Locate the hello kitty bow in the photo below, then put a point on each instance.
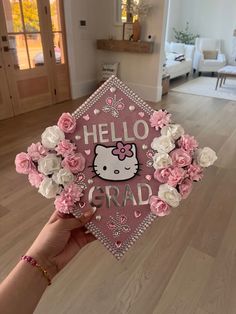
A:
(122, 150)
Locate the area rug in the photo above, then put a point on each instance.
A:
(205, 86)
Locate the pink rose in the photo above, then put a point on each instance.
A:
(188, 143)
(67, 123)
(35, 178)
(185, 188)
(176, 175)
(65, 147)
(36, 151)
(74, 191)
(195, 172)
(180, 158)
(159, 119)
(64, 203)
(158, 207)
(24, 163)
(162, 175)
(75, 163)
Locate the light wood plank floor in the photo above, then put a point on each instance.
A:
(184, 264)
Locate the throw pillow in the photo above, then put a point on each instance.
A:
(210, 54)
(177, 48)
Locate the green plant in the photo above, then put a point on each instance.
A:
(185, 36)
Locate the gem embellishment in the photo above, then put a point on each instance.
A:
(118, 225)
(131, 108)
(96, 111)
(148, 177)
(86, 117)
(90, 181)
(141, 114)
(77, 137)
(113, 106)
(87, 152)
(79, 180)
(98, 217)
(150, 154)
(137, 213)
(144, 147)
(112, 89)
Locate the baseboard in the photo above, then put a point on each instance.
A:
(80, 89)
(147, 92)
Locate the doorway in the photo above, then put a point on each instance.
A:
(33, 57)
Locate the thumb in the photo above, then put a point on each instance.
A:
(74, 223)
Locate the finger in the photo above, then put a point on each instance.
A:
(56, 215)
(90, 237)
(53, 217)
(73, 223)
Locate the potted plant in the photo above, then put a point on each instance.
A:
(185, 36)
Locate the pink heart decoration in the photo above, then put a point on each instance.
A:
(141, 114)
(87, 117)
(80, 178)
(123, 219)
(148, 177)
(87, 152)
(82, 204)
(118, 244)
(137, 213)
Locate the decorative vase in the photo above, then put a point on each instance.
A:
(136, 30)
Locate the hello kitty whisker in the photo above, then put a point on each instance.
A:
(96, 175)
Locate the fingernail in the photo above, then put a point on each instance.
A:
(90, 212)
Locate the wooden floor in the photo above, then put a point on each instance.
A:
(184, 264)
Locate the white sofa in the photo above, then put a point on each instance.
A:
(208, 65)
(176, 68)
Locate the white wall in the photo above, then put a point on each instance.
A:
(209, 18)
(174, 18)
(81, 43)
(140, 71)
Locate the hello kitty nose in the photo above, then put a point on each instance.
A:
(116, 171)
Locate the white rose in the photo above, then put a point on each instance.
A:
(48, 188)
(205, 157)
(163, 144)
(161, 160)
(169, 195)
(63, 176)
(49, 164)
(52, 136)
(175, 131)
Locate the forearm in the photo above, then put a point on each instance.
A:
(21, 291)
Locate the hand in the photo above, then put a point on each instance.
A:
(60, 240)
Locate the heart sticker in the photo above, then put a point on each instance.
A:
(132, 163)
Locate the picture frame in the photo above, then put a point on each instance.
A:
(127, 31)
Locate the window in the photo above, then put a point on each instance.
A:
(57, 31)
(24, 36)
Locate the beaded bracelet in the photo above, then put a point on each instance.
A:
(34, 263)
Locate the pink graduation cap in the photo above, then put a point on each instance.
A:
(119, 155)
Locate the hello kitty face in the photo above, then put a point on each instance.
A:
(116, 163)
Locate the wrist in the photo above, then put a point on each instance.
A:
(44, 262)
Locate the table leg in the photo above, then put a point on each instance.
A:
(224, 80)
(221, 81)
(217, 82)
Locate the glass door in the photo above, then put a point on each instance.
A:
(33, 50)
